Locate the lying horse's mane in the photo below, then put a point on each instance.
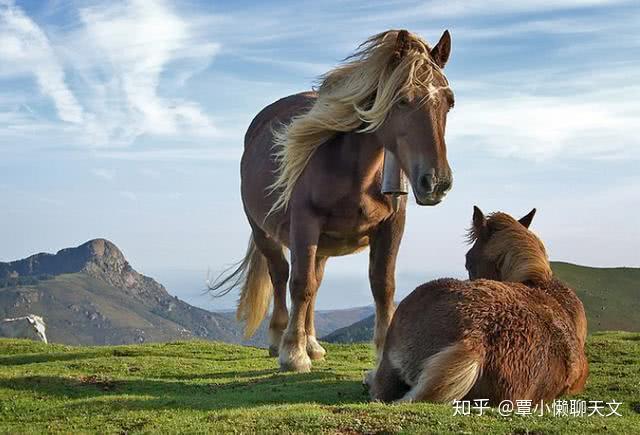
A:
(360, 91)
(518, 252)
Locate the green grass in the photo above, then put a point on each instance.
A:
(206, 386)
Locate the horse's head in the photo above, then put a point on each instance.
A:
(414, 128)
(505, 250)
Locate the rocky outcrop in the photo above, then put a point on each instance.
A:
(98, 252)
(31, 327)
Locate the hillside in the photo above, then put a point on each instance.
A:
(91, 295)
(81, 309)
(202, 386)
(611, 298)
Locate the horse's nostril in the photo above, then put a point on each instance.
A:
(446, 184)
(426, 182)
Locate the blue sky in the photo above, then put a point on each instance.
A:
(125, 120)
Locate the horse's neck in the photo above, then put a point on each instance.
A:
(369, 153)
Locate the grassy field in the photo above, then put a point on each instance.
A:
(206, 386)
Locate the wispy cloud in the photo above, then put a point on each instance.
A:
(413, 10)
(138, 40)
(25, 50)
(549, 113)
(121, 72)
(116, 56)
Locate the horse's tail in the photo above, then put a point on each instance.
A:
(449, 374)
(252, 273)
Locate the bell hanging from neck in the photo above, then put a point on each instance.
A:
(394, 182)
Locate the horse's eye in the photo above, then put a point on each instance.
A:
(403, 103)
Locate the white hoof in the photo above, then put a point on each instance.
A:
(294, 359)
(314, 350)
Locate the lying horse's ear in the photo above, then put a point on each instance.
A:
(526, 220)
(479, 222)
(440, 53)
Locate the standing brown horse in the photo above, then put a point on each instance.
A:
(518, 337)
(311, 182)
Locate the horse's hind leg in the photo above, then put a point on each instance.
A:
(279, 273)
(314, 350)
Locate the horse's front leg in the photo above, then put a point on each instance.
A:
(314, 350)
(384, 246)
(302, 286)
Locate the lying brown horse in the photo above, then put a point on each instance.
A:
(311, 182)
(513, 333)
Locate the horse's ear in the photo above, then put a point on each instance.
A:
(526, 220)
(479, 222)
(440, 53)
(402, 46)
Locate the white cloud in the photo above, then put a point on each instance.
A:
(413, 10)
(131, 61)
(548, 113)
(139, 39)
(117, 55)
(25, 50)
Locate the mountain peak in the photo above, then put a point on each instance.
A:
(100, 248)
(95, 254)
(98, 258)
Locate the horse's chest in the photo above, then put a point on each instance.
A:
(348, 226)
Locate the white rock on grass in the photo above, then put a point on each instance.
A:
(30, 326)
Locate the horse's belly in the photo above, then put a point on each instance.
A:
(332, 245)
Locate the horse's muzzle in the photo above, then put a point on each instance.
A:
(430, 190)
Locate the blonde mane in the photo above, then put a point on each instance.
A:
(518, 252)
(356, 95)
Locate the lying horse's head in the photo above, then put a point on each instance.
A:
(414, 127)
(505, 250)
